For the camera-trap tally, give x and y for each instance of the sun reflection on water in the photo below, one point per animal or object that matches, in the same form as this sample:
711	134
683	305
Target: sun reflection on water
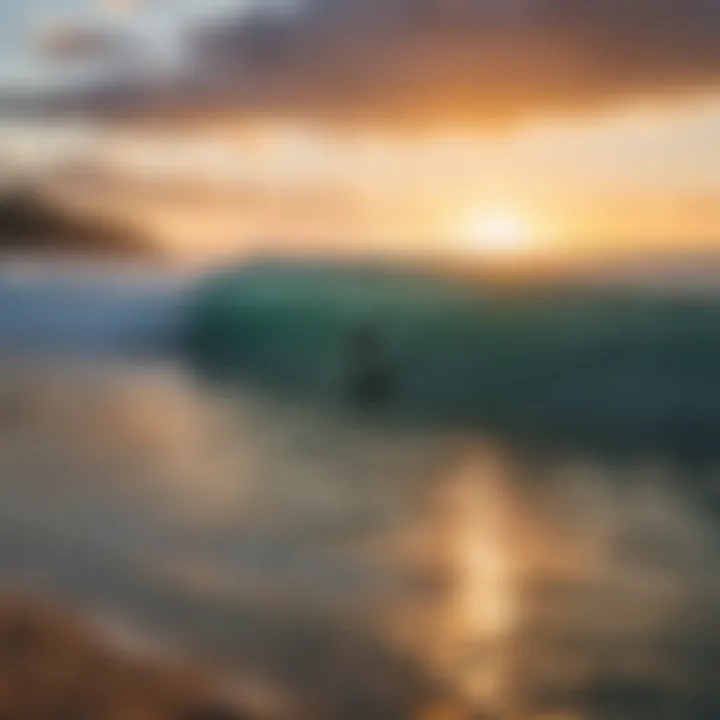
468	537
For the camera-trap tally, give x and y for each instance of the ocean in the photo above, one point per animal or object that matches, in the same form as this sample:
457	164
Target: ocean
335	563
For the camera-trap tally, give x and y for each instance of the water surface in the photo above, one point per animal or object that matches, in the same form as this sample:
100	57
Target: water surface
342	565
355	568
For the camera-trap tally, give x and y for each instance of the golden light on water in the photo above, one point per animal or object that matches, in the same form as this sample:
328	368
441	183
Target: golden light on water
469	641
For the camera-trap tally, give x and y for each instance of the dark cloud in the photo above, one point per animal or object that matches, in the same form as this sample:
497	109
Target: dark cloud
381	61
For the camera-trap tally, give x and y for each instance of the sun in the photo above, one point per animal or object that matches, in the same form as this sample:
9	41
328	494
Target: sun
497	233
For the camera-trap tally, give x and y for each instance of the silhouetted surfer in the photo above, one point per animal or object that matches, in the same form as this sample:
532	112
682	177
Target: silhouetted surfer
370	381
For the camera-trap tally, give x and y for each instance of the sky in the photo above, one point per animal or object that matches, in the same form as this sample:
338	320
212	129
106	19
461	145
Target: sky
519	129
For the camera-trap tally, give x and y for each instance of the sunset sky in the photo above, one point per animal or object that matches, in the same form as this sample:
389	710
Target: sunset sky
532	128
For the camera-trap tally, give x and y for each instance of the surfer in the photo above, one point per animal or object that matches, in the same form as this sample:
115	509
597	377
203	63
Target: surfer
370	381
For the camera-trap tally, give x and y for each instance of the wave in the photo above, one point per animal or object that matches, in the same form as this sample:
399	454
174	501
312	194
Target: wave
51	310
610	365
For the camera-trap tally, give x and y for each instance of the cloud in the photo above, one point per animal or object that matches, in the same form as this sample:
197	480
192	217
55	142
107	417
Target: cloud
75	43
434	61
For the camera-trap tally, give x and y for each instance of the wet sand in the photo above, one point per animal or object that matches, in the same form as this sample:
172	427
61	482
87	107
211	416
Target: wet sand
55	666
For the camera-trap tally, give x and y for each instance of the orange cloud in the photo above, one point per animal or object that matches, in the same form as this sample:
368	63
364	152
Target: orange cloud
430	61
